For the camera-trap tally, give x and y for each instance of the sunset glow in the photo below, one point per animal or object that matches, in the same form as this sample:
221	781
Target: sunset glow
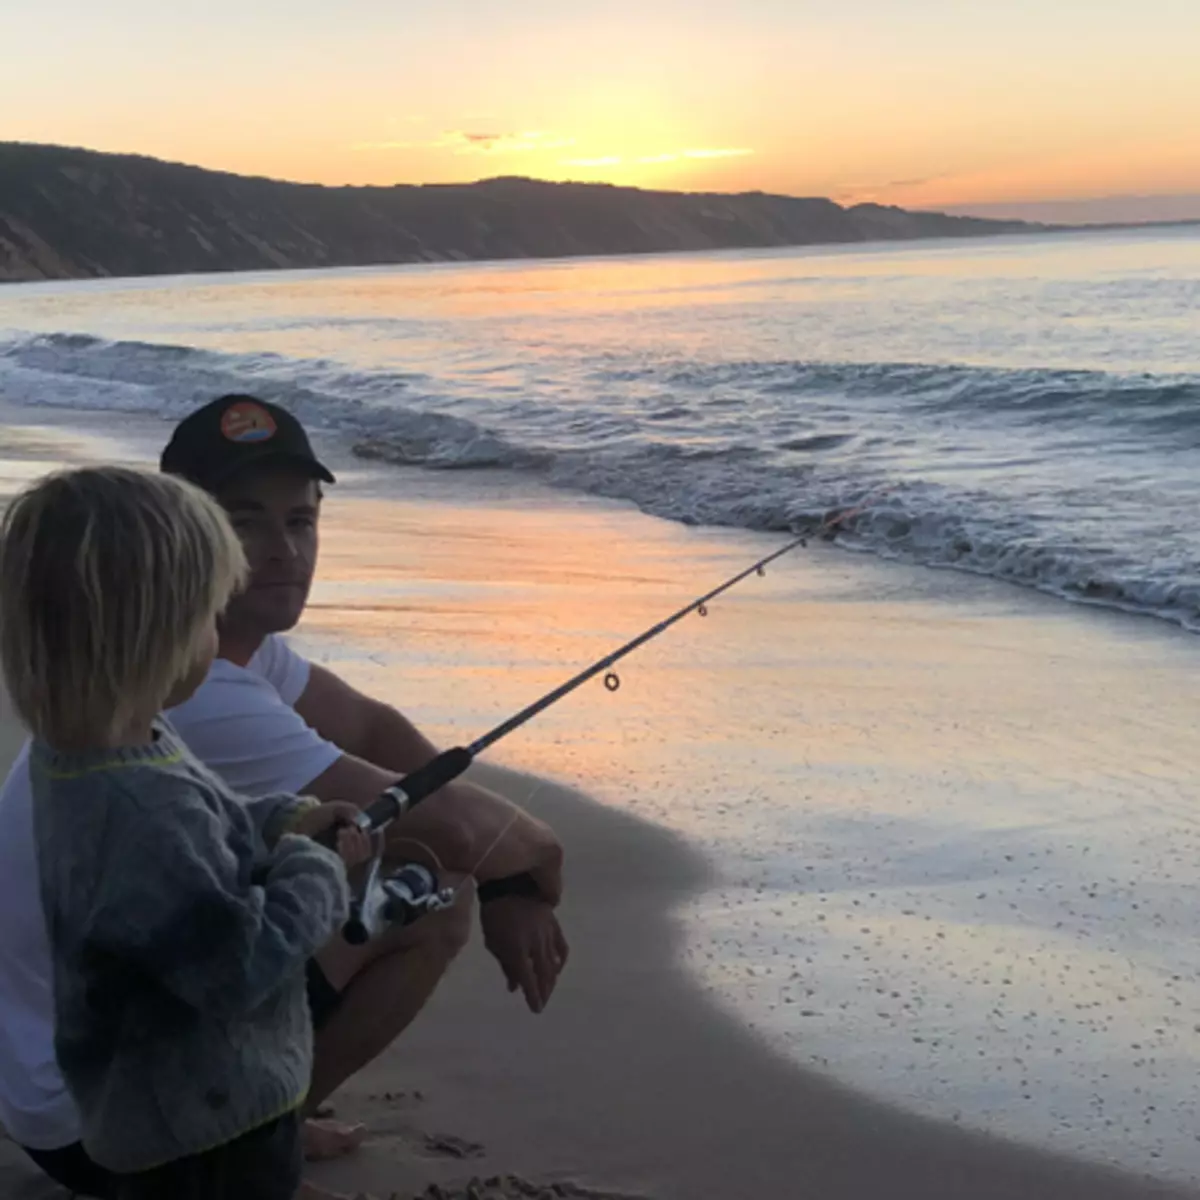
927	103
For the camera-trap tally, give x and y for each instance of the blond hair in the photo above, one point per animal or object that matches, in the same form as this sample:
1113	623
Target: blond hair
110	580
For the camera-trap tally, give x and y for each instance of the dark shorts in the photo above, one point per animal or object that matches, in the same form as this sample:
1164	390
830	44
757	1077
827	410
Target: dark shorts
323	997
264	1164
71	1167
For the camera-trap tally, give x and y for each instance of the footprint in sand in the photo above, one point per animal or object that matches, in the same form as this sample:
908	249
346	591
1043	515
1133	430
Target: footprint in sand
514	1187
449	1146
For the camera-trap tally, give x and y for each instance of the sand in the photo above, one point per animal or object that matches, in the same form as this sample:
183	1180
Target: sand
645	1077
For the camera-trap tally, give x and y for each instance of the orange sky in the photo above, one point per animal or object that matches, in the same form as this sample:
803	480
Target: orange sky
925	103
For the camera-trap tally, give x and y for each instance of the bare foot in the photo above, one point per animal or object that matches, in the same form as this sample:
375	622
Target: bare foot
331	1139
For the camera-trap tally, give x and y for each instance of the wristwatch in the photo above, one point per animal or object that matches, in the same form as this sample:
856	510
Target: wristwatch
523	884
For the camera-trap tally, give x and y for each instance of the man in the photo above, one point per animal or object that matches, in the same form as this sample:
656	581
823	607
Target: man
267	720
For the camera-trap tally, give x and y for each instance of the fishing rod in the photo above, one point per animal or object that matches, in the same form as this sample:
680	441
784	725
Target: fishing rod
413	890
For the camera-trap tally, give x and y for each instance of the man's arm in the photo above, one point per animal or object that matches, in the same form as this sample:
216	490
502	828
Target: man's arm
360	726
470	828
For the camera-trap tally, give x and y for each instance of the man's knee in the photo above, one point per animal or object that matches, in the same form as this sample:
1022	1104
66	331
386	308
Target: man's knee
440	935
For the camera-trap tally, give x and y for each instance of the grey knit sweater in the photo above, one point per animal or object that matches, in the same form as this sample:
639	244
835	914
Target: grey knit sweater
180	921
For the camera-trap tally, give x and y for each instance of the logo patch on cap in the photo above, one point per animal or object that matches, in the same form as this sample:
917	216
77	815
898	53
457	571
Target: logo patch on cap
247	422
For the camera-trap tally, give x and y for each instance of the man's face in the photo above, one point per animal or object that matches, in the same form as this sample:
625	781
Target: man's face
274	510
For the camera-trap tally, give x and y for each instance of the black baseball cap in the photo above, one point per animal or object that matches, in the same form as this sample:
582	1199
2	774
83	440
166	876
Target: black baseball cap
233	432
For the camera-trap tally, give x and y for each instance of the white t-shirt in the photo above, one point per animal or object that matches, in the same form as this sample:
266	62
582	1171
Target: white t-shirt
242	724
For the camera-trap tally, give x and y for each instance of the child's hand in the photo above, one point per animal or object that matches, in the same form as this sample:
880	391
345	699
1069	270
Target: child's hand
354	845
332	823
324	817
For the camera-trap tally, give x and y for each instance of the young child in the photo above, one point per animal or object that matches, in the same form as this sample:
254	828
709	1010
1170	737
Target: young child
180	916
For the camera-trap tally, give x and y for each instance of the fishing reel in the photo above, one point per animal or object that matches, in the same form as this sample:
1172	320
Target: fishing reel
398	897
393	901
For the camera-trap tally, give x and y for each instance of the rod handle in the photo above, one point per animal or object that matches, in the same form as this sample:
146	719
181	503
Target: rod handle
414	788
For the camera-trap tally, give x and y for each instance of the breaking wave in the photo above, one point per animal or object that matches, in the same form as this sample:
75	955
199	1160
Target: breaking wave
1079	483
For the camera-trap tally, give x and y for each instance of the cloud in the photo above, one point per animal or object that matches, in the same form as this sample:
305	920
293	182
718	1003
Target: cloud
461	141
912	183
505	143
857	193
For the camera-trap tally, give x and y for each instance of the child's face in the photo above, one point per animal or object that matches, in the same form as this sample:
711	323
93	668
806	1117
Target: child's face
186	687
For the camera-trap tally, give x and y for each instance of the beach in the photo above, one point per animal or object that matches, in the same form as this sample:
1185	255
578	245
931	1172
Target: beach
878	877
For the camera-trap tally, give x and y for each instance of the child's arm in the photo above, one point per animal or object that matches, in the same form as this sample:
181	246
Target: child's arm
273	816
180	904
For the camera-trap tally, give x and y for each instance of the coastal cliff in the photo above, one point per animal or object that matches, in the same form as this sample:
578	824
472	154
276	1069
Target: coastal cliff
68	213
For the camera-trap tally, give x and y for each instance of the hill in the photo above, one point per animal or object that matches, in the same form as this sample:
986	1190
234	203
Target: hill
69	213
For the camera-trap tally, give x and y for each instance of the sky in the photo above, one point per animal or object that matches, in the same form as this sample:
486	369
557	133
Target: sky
970	105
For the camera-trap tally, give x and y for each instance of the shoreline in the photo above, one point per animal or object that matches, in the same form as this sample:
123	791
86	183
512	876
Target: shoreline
218	275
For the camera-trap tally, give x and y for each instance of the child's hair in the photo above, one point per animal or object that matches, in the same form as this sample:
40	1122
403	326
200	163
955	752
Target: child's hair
110	579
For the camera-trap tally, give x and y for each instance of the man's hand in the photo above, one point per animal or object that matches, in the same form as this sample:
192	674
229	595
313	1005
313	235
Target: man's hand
524	937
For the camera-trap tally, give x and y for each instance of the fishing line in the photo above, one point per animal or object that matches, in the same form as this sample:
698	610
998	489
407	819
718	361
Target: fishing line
450	764
517	815
411	891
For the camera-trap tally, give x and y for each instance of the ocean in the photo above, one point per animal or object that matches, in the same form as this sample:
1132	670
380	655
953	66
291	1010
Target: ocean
1031	405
